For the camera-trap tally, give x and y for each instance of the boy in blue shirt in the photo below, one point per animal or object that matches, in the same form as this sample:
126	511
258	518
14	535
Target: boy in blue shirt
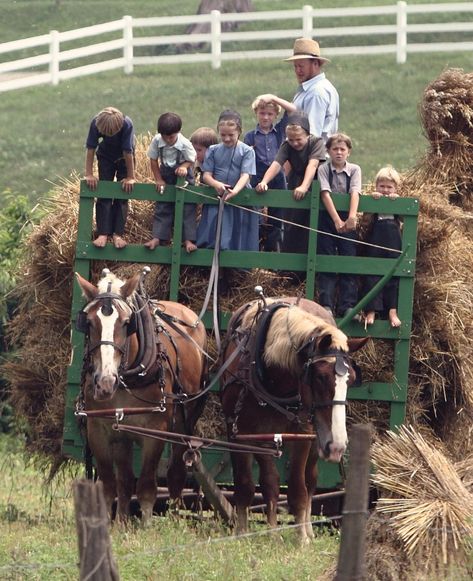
171	156
111	137
265	140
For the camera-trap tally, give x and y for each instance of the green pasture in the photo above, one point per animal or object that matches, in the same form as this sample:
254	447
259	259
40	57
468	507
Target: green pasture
44	128
39	539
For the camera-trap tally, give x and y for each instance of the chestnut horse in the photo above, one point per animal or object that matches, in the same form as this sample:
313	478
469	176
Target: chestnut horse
290	375
143	354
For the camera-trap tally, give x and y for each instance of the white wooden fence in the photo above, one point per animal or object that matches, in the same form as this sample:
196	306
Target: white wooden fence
40	59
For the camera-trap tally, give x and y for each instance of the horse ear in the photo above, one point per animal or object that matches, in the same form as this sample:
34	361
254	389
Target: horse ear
130	286
324	342
88	289
355	344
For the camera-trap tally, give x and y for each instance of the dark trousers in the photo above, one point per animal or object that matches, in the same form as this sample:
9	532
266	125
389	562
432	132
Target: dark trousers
111	214
385	233
272	240
163	218
327	282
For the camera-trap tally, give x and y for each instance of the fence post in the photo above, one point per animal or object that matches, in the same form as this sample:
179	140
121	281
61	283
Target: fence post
128	44
351	557
401	34
216	38
54	49
92	520
307	27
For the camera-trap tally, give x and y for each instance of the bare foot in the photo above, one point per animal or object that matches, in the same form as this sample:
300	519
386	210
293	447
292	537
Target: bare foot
100	241
152	244
394	319
370	317
118	241
189	246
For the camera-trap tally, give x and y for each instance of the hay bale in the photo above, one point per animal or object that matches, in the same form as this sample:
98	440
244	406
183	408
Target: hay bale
430	509
446	113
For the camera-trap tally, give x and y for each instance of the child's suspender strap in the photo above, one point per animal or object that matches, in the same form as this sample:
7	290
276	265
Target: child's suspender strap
330	179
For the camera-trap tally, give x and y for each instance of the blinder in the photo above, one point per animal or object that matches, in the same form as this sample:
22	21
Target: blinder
82	323
358	375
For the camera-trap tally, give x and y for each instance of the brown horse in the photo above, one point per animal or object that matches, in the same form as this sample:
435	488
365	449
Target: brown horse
290	375
145	354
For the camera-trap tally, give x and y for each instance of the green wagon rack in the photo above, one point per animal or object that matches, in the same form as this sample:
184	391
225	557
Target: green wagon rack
393	394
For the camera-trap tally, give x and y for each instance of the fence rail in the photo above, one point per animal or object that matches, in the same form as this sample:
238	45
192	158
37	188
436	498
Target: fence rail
126	45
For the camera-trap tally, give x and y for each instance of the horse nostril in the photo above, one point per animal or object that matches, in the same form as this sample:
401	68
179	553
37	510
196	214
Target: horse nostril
327	450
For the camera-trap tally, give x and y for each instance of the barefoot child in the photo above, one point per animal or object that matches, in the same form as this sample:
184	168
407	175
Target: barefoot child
112	139
266	139
384	230
340	176
171	156
227	168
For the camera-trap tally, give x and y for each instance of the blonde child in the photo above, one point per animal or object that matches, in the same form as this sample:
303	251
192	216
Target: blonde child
340	176
171	156
266	139
111	137
304	152
201	140
384	230
227	168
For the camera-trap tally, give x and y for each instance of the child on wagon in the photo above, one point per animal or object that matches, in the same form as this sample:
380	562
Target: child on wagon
384	230
201	140
227	168
340	176
266	139
304	152
171	156
111	138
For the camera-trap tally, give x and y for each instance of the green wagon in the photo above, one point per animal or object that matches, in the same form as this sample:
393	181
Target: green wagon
393	394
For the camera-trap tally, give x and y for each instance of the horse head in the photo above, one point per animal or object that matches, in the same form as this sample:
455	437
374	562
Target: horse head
328	371
305	341
108	321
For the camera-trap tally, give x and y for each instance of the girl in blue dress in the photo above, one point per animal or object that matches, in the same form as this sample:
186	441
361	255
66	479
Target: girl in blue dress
227	168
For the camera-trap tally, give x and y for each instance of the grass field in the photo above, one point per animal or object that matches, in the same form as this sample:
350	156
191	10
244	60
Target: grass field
39	539
44	128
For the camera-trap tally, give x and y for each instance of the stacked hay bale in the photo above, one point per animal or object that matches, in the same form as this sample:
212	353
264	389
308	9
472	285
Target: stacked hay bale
424	474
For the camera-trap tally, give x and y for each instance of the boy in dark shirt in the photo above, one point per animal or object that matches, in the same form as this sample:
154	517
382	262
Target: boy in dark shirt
111	137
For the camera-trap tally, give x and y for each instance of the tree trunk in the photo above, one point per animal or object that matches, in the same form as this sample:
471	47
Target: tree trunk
205	7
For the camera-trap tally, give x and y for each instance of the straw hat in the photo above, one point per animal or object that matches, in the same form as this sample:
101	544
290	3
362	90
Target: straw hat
306	48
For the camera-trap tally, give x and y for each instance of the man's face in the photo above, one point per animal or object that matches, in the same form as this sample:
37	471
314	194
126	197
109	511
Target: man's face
306	69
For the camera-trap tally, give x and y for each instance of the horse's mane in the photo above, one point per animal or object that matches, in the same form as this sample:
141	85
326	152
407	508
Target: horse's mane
112	278
289	330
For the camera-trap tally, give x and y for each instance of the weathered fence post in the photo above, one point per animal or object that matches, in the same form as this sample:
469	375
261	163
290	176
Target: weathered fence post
351	557
92	521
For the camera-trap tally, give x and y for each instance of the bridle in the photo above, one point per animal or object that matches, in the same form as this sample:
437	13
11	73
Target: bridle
341	367
82	324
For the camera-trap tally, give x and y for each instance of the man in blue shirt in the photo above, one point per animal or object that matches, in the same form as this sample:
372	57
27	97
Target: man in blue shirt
316	95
